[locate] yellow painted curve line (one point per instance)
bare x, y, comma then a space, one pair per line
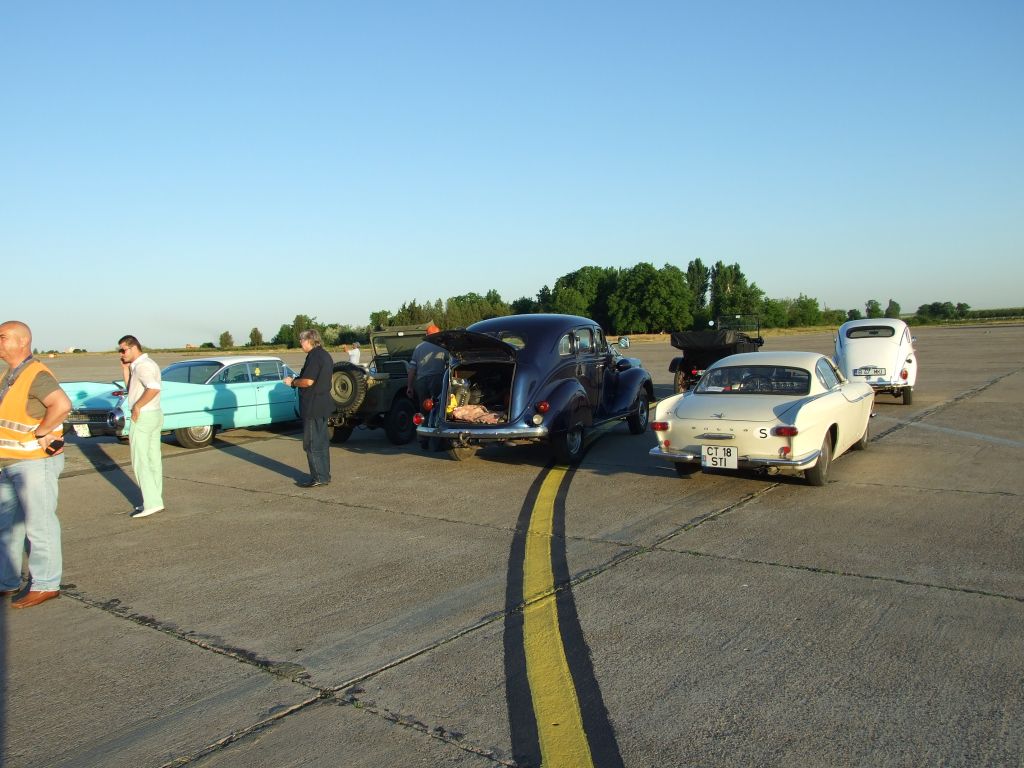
563, 742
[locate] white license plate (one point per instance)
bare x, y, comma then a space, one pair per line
869, 371
718, 457
82, 430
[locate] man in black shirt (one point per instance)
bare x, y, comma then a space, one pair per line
315, 406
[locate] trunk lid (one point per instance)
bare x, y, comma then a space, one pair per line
467, 346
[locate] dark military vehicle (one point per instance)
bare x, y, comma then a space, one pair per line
728, 336
375, 395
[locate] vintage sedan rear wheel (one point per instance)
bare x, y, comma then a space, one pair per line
685, 469
341, 433
908, 395
348, 386
461, 452
194, 437
567, 446
638, 417
818, 474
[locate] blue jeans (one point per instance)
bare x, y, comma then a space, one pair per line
317, 445
28, 510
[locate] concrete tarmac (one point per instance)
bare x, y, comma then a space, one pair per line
729, 619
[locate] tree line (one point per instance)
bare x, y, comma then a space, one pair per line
633, 300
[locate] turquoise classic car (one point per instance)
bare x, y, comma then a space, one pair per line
198, 398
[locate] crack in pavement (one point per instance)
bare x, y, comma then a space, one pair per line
938, 407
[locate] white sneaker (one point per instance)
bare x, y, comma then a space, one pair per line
139, 512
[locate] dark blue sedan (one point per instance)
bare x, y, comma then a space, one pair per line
534, 377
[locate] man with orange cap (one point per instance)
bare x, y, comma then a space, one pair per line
425, 369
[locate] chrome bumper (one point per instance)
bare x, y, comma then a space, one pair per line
463, 435
806, 461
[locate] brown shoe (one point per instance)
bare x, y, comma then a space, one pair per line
34, 597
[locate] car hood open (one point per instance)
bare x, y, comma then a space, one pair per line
468, 345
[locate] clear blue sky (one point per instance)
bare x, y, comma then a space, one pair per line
175, 170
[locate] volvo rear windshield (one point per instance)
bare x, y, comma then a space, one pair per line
870, 332
755, 380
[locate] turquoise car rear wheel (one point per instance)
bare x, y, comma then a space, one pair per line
194, 437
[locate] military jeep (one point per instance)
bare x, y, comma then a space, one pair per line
374, 396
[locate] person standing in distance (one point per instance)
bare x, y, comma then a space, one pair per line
353, 352
32, 412
142, 375
315, 406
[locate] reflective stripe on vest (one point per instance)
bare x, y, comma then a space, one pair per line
17, 428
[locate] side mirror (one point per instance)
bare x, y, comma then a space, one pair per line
624, 342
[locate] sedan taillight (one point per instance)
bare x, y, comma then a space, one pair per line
785, 431
659, 426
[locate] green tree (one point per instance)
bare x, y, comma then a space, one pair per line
698, 277
873, 309
255, 338
567, 300
284, 337
774, 313
226, 342
585, 292
892, 309
730, 292
854, 314
961, 309
525, 306
649, 300
803, 312
544, 299
832, 317
380, 319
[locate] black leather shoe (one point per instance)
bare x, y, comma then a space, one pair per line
310, 484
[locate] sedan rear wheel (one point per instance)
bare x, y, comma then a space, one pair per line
341, 433
818, 474
685, 469
194, 437
908, 395
567, 446
461, 452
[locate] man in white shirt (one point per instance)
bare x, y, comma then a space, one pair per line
353, 353
142, 375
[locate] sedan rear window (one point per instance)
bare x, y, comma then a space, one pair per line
190, 373
870, 332
755, 380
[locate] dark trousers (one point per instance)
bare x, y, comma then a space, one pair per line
317, 445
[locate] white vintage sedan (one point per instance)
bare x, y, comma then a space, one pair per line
778, 412
881, 352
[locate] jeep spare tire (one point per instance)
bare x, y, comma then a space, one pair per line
348, 386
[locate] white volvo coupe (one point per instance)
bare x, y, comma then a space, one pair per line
779, 412
881, 352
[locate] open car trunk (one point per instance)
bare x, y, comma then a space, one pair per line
479, 393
